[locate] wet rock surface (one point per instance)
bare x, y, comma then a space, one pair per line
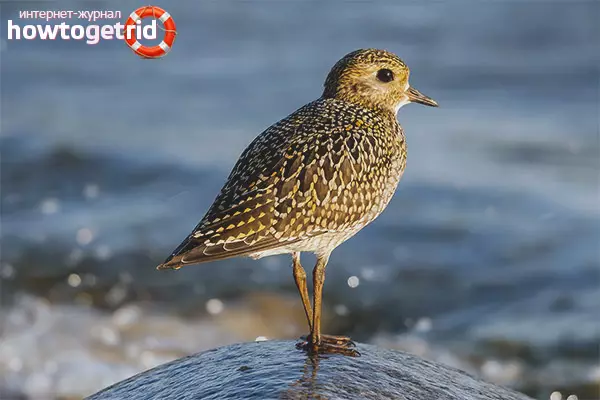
277, 370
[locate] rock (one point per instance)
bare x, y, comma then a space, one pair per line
277, 370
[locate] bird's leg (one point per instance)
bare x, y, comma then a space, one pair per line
318, 281
316, 342
300, 278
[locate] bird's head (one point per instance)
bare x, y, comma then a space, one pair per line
375, 79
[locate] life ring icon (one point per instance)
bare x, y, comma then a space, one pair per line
169, 28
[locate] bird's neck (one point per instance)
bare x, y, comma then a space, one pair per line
387, 113
349, 94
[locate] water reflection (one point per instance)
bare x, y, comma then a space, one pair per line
307, 386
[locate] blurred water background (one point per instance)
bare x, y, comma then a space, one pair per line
487, 258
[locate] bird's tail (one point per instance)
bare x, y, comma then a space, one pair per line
172, 263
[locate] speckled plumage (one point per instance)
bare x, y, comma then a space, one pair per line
327, 169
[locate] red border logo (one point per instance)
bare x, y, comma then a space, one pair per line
169, 28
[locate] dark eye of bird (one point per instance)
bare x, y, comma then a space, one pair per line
385, 75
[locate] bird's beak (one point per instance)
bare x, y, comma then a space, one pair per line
414, 96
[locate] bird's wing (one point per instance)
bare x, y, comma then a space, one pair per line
276, 193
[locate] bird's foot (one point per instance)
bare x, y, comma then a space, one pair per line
343, 341
329, 344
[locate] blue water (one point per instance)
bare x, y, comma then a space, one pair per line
493, 234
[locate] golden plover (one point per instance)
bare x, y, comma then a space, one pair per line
314, 179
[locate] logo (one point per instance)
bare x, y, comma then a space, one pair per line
131, 32
169, 28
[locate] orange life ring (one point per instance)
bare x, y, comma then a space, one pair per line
170, 32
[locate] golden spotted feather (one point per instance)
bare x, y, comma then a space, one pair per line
329, 168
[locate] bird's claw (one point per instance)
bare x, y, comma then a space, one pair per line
329, 344
342, 341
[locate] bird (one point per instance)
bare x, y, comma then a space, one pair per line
313, 180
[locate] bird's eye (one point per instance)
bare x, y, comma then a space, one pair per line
385, 75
